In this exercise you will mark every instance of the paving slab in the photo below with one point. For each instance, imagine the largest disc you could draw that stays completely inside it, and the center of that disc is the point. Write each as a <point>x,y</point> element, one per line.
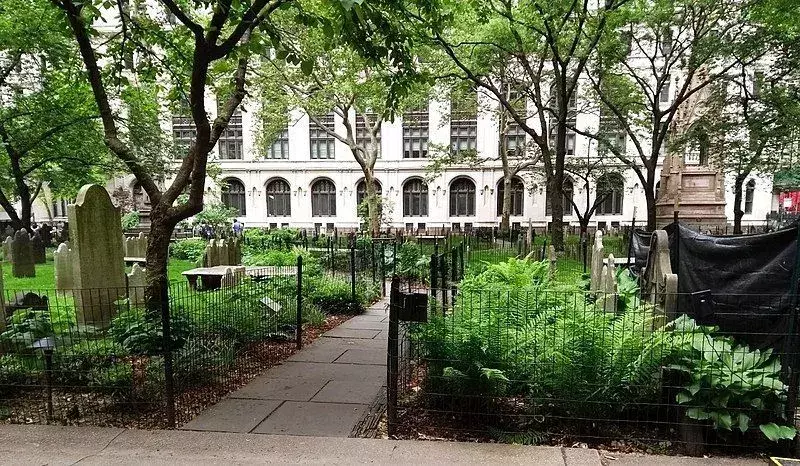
<point>365,325</point>
<point>314,419</point>
<point>340,332</point>
<point>348,391</point>
<point>581,456</point>
<point>335,371</point>
<point>359,356</point>
<point>233,415</point>
<point>302,387</point>
<point>374,317</point>
<point>322,350</point>
<point>382,336</point>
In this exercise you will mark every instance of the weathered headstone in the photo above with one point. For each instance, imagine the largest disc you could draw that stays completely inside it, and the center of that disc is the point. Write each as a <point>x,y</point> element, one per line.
<point>96,237</point>
<point>233,276</point>
<point>597,262</point>
<point>136,246</point>
<point>552,260</point>
<point>7,248</point>
<point>660,284</point>
<point>8,232</point>
<point>22,264</point>
<point>62,259</point>
<point>212,254</point>
<point>607,298</point>
<point>46,233</point>
<point>137,283</point>
<point>37,249</point>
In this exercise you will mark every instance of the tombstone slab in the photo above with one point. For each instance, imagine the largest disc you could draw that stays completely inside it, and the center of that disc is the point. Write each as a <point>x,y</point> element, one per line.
<point>597,262</point>
<point>37,249</point>
<point>7,247</point>
<point>96,238</point>
<point>22,264</point>
<point>63,261</point>
<point>137,283</point>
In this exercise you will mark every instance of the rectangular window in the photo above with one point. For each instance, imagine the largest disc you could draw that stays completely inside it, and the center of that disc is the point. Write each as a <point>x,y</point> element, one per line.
<point>363,135</point>
<point>231,140</point>
<point>415,135</point>
<point>322,143</point>
<point>664,94</point>
<point>570,143</point>
<point>463,133</point>
<point>611,132</point>
<point>183,134</point>
<point>279,149</point>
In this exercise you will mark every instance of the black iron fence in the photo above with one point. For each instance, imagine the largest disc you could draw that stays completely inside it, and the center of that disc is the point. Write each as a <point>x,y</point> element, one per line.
<point>103,357</point>
<point>539,366</point>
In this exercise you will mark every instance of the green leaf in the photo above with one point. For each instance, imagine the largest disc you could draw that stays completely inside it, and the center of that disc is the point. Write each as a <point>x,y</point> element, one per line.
<point>744,422</point>
<point>698,414</point>
<point>683,397</point>
<point>307,66</point>
<point>775,432</point>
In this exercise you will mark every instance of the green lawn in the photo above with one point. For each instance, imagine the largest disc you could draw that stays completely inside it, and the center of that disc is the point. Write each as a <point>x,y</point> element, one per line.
<point>45,278</point>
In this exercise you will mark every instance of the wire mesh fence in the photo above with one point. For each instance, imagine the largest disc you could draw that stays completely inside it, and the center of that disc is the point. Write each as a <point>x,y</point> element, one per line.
<point>113,357</point>
<point>557,367</point>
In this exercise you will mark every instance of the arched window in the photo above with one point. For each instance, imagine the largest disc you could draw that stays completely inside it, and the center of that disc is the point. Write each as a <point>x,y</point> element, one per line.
<point>749,192</point>
<point>567,190</point>
<point>278,198</point>
<point>462,198</point>
<point>517,196</point>
<point>323,198</point>
<point>233,195</point>
<point>415,198</point>
<point>610,193</point>
<point>361,191</point>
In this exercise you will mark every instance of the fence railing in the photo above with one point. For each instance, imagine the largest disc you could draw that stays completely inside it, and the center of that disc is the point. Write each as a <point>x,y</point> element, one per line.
<point>540,366</point>
<point>104,357</point>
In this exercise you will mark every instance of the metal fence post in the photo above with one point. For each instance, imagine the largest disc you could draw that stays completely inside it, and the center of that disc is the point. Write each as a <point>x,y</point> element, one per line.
<point>373,262</point>
<point>383,269</point>
<point>392,356</point>
<point>299,324</point>
<point>443,274</point>
<point>353,271</point>
<point>169,375</point>
<point>434,278</point>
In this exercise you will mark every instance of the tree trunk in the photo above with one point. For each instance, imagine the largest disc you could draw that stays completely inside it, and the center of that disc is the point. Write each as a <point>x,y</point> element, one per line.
<point>557,209</point>
<point>505,222</point>
<point>738,213</point>
<point>372,203</point>
<point>650,199</point>
<point>157,256</point>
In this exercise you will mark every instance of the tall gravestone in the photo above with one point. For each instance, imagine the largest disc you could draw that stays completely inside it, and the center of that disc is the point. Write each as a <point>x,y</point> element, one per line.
<point>21,255</point>
<point>7,248</point>
<point>99,267</point>
<point>63,262</point>
<point>598,253</point>
<point>8,232</point>
<point>46,233</point>
<point>37,249</point>
<point>137,282</point>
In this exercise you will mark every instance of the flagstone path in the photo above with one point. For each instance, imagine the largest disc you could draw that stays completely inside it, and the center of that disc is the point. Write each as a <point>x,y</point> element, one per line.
<point>322,390</point>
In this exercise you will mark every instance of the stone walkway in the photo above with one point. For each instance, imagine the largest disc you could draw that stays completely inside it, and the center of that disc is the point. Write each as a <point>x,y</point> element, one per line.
<point>322,390</point>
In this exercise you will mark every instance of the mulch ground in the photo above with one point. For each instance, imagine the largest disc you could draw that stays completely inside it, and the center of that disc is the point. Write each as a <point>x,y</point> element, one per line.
<point>84,406</point>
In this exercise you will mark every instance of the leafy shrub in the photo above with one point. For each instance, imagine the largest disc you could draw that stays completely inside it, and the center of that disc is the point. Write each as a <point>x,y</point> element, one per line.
<point>115,379</point>
<point>199,360</point>
<point>257,240</point>
<point>140,332</point>
<point>188,249</point>
<point>18,370</point>
<point>76,362</point>
<point>334,296</point>
<point>130,220</point>
<point>25,327</point>
<point>411,263</point>
<point>729,385</point>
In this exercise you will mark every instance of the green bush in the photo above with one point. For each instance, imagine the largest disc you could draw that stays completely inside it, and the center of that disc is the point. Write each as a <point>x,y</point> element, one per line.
<point>334,296</point>
<point>200,360</point>
<point>130,220</point>
<point>189,249</point>
<point>509,334</point>
<point>141,333</point>
<point>258,240</point>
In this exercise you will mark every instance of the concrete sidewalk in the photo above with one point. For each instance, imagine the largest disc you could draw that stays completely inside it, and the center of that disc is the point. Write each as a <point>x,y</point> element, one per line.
<point>36,445</point>
<point>322,390</point>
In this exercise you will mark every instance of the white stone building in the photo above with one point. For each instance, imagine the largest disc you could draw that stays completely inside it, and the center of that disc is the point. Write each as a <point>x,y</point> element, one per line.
<point>307,179</point>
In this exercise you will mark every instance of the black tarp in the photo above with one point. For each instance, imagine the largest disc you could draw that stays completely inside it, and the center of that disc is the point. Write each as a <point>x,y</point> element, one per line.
<point>749,280</point>
<point>640,247</point>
